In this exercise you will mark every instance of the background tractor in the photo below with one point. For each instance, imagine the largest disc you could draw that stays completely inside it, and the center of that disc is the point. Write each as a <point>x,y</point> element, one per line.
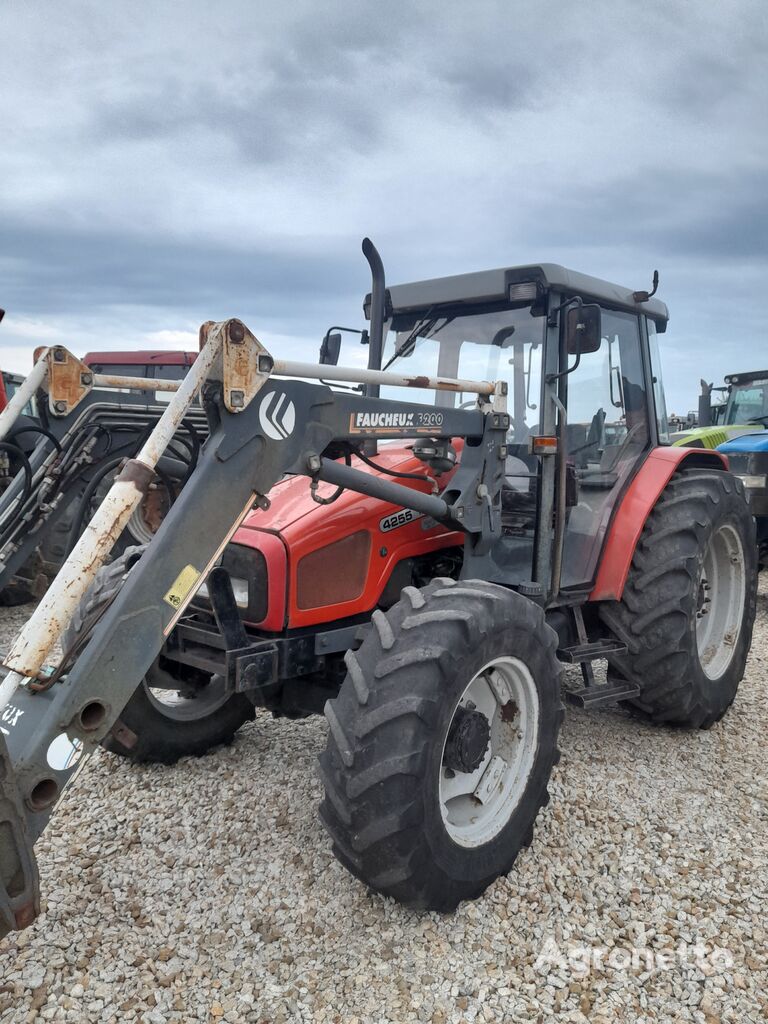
<point>742,408</point>
<point>748,458</point>
<point>418,569</point>
<point>56,463</point>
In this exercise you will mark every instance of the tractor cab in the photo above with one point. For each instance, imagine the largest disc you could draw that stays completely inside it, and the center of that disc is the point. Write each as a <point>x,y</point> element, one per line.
<point>747,401</point>
<point>580,360</point>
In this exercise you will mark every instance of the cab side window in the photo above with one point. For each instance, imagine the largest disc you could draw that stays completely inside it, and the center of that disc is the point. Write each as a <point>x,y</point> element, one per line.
<point>608,434</point>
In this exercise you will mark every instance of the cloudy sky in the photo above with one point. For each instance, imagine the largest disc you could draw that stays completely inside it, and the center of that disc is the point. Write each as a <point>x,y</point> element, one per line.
<point>164,163</point>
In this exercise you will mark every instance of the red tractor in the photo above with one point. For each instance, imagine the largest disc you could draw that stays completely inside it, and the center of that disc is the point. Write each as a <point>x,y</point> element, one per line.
<point>417,571</point>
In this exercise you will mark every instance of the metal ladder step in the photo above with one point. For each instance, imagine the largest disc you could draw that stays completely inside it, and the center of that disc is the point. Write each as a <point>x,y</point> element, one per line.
<point>580,653</point>
<point>596,696</point>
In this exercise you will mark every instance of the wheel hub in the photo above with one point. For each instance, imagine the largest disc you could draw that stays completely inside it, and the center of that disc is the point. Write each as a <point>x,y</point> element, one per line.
<point>489,751</point>
<point>467,740</point>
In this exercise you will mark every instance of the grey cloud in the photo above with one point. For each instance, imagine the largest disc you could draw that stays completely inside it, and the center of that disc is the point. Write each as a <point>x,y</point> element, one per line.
<point>693,215</point>
<point>93,271</point>
<point>196,160</point>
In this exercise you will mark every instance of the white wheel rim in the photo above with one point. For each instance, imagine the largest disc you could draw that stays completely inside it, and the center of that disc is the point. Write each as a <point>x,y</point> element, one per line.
<point>173,703</point>
<point>476,805</point>
<point>720,608</point>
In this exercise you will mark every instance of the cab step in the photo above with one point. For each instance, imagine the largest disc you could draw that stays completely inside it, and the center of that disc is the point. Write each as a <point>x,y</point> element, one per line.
<point>597,696</point>
<point>580,653</point>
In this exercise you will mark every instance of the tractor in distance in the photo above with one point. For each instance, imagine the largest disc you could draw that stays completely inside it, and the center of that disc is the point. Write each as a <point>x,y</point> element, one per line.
<point>419,570</point>
<point>742,408</point>
<point>55,466</point>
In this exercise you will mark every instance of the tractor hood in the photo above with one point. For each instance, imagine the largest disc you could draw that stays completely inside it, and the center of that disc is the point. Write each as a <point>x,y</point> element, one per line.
<point>323,563</point>
<point>291,500</point>
<point>755,442</point>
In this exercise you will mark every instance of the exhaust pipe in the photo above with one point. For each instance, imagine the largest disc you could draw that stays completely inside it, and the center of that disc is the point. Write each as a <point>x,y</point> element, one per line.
<point>378,302</point>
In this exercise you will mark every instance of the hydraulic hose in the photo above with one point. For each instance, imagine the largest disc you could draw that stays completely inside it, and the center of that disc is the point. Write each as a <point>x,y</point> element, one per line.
<point>13,449</point>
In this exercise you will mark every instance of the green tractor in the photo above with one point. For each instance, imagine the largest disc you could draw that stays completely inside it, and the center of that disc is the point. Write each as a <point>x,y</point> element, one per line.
<point>743,408</point>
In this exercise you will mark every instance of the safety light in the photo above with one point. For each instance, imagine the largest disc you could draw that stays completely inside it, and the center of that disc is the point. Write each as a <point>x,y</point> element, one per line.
<point>544,444</point>
<point>524,292</point>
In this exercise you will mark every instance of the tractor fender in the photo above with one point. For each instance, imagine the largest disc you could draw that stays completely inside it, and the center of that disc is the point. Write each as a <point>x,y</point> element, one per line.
<point>634,508</point>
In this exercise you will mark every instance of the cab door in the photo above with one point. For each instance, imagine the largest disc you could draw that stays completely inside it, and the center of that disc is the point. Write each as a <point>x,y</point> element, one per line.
<point>608,435</point>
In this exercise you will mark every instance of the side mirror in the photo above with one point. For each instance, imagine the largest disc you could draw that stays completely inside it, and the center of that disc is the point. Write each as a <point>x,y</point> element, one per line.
<point>330,348</point>
<point>583,330</point>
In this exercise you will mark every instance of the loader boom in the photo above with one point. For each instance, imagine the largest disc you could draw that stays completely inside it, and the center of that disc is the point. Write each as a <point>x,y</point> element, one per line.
<point>261,429</point>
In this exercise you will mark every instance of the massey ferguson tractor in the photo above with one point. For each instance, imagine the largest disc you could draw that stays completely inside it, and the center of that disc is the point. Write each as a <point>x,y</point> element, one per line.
<point>414,549</point>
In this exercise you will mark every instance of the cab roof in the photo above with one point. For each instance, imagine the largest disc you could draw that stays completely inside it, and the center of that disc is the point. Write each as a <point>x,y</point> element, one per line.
<point>494,286</point>
<point>747,377</point>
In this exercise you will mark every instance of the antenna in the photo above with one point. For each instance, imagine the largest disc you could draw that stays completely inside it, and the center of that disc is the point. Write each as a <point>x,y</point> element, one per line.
<point>644,296</point>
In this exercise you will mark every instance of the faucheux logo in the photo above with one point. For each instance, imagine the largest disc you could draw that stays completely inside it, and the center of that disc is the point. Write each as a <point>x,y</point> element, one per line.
<point>378,420</point>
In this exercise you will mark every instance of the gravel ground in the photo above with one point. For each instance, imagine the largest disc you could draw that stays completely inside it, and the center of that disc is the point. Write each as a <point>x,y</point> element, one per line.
<point>207,891</point>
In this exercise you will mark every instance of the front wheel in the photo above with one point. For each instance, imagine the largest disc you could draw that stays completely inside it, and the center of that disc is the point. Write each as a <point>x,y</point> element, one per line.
<point>441,742</point>
<point>175,711</point>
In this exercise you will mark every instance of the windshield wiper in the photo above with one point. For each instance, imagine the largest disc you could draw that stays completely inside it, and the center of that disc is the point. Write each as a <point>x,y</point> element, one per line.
<point>424,329</point>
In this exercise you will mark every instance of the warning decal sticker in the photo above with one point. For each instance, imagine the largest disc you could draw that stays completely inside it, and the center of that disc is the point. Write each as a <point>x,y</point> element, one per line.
<point>181,586</point>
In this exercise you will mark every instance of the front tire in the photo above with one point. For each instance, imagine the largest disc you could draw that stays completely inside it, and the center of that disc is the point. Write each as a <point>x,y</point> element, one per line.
<point>167,716</point>
<point>688,607</point>
<point>441,742</point>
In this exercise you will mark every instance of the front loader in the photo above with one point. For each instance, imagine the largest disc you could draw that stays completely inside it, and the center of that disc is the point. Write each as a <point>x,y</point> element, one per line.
<point>421,571</point>
<point>59,463</point>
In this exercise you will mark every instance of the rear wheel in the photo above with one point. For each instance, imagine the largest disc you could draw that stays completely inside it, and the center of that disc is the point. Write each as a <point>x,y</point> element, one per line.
<point>173,712</point>
<point>689,602</point>
<point>441,742</point>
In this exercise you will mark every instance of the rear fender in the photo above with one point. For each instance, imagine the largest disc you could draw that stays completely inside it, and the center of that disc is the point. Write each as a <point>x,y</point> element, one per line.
<point>634,508</point>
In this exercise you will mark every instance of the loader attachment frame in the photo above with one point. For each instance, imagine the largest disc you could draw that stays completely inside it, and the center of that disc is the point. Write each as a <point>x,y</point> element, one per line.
<point>83,427</point>
<point>260,429</point>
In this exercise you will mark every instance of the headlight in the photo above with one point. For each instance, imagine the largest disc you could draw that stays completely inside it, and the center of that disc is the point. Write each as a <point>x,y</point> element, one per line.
<point>753,483</point>
<point>239,589</point>
<point>247,569</point>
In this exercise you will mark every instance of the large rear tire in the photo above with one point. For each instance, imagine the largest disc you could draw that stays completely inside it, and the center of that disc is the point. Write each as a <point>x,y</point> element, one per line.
<point>441,742</point>
<point>688,607</point>
<point>168,716</point>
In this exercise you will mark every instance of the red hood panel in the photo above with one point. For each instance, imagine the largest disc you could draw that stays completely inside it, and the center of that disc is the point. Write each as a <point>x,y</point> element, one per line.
<point>291,499</point>
<point>305,527</point>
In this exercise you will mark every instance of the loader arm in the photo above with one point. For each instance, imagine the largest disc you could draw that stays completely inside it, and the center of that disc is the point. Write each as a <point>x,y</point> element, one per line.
<point>261,429</point>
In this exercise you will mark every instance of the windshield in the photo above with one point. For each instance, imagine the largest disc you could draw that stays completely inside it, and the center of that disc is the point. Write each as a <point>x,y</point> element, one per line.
<point>490,344</point>
<point>748,403</point>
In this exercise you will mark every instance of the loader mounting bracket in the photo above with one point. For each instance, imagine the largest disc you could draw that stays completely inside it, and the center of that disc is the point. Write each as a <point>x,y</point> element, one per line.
<point>19,880</point>
<point>69,380</point>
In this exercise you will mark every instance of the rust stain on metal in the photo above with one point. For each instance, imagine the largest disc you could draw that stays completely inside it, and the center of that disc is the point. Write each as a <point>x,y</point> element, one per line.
<point>154,508</point>
<point>124,735</point>
<point>236,330</point>
<point>509,711</point>
<point>69,380</point>
<point>136,473</point>
<point>242,376</point>
<point>204,332</point>
<point>429,382</point>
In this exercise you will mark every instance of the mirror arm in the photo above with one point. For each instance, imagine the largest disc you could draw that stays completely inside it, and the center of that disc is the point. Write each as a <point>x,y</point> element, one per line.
<point>552,377</point>
<point>552,318</point>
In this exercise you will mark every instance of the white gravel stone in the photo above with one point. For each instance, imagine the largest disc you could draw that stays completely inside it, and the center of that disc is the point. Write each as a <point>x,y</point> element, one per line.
<point>207,891</point>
